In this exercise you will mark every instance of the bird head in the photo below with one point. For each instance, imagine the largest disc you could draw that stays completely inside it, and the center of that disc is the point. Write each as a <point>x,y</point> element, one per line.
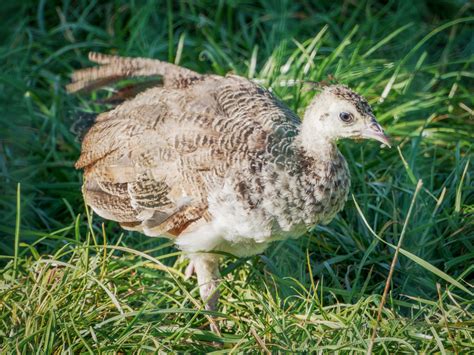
<point>336,113</point>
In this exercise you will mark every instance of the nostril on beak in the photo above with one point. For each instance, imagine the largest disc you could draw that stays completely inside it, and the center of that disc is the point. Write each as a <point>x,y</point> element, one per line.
<point>375,131</point>
<point>376,127</point>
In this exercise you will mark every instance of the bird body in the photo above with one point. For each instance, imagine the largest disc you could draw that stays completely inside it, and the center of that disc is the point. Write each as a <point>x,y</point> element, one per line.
<point>207,157</point>
<point>217,163</point>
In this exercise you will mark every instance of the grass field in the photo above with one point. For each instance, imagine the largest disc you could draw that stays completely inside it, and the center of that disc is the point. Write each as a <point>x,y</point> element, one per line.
<point>72,282</point>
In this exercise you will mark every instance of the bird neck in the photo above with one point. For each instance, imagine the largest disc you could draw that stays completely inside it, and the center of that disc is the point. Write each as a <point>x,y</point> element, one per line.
<point>315,144</point>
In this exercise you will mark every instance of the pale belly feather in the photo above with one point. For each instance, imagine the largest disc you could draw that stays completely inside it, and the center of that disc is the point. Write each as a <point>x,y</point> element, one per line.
<point>250,211</point>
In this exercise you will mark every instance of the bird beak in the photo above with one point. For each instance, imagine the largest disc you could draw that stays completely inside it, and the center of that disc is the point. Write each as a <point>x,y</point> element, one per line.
<point>375,131</point>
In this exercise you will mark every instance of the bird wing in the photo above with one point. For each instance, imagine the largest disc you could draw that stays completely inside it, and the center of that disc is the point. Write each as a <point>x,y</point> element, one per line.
<point>150,162</point>
<point>251,111</point>
<point>146,161</point>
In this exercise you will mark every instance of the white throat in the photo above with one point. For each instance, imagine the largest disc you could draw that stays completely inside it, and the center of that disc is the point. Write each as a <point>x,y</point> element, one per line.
<point>317,137</point>
<point>315,140</point>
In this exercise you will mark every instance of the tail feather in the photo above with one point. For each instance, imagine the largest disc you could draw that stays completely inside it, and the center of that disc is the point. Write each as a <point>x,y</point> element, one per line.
<point>101,58</point>
<point>115,68</point>
<point>129,92</point>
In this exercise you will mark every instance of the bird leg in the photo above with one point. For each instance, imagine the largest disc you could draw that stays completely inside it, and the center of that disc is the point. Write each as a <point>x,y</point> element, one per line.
<point>206,267</point>
<point>189,270</point>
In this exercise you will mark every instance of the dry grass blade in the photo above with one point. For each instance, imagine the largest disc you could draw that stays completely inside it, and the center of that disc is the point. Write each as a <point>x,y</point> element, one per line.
<point>17,228</point>
<point>259,340</point>
<point>392,267</point>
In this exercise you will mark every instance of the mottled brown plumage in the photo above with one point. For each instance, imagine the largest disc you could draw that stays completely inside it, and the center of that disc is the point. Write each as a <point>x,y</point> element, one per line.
<point>219,163</point>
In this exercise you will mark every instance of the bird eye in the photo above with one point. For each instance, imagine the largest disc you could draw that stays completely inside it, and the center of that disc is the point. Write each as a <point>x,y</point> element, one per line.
<point>346,117</point>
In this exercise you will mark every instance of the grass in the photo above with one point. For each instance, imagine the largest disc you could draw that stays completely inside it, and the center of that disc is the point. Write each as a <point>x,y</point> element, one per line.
<point>71,282</point>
